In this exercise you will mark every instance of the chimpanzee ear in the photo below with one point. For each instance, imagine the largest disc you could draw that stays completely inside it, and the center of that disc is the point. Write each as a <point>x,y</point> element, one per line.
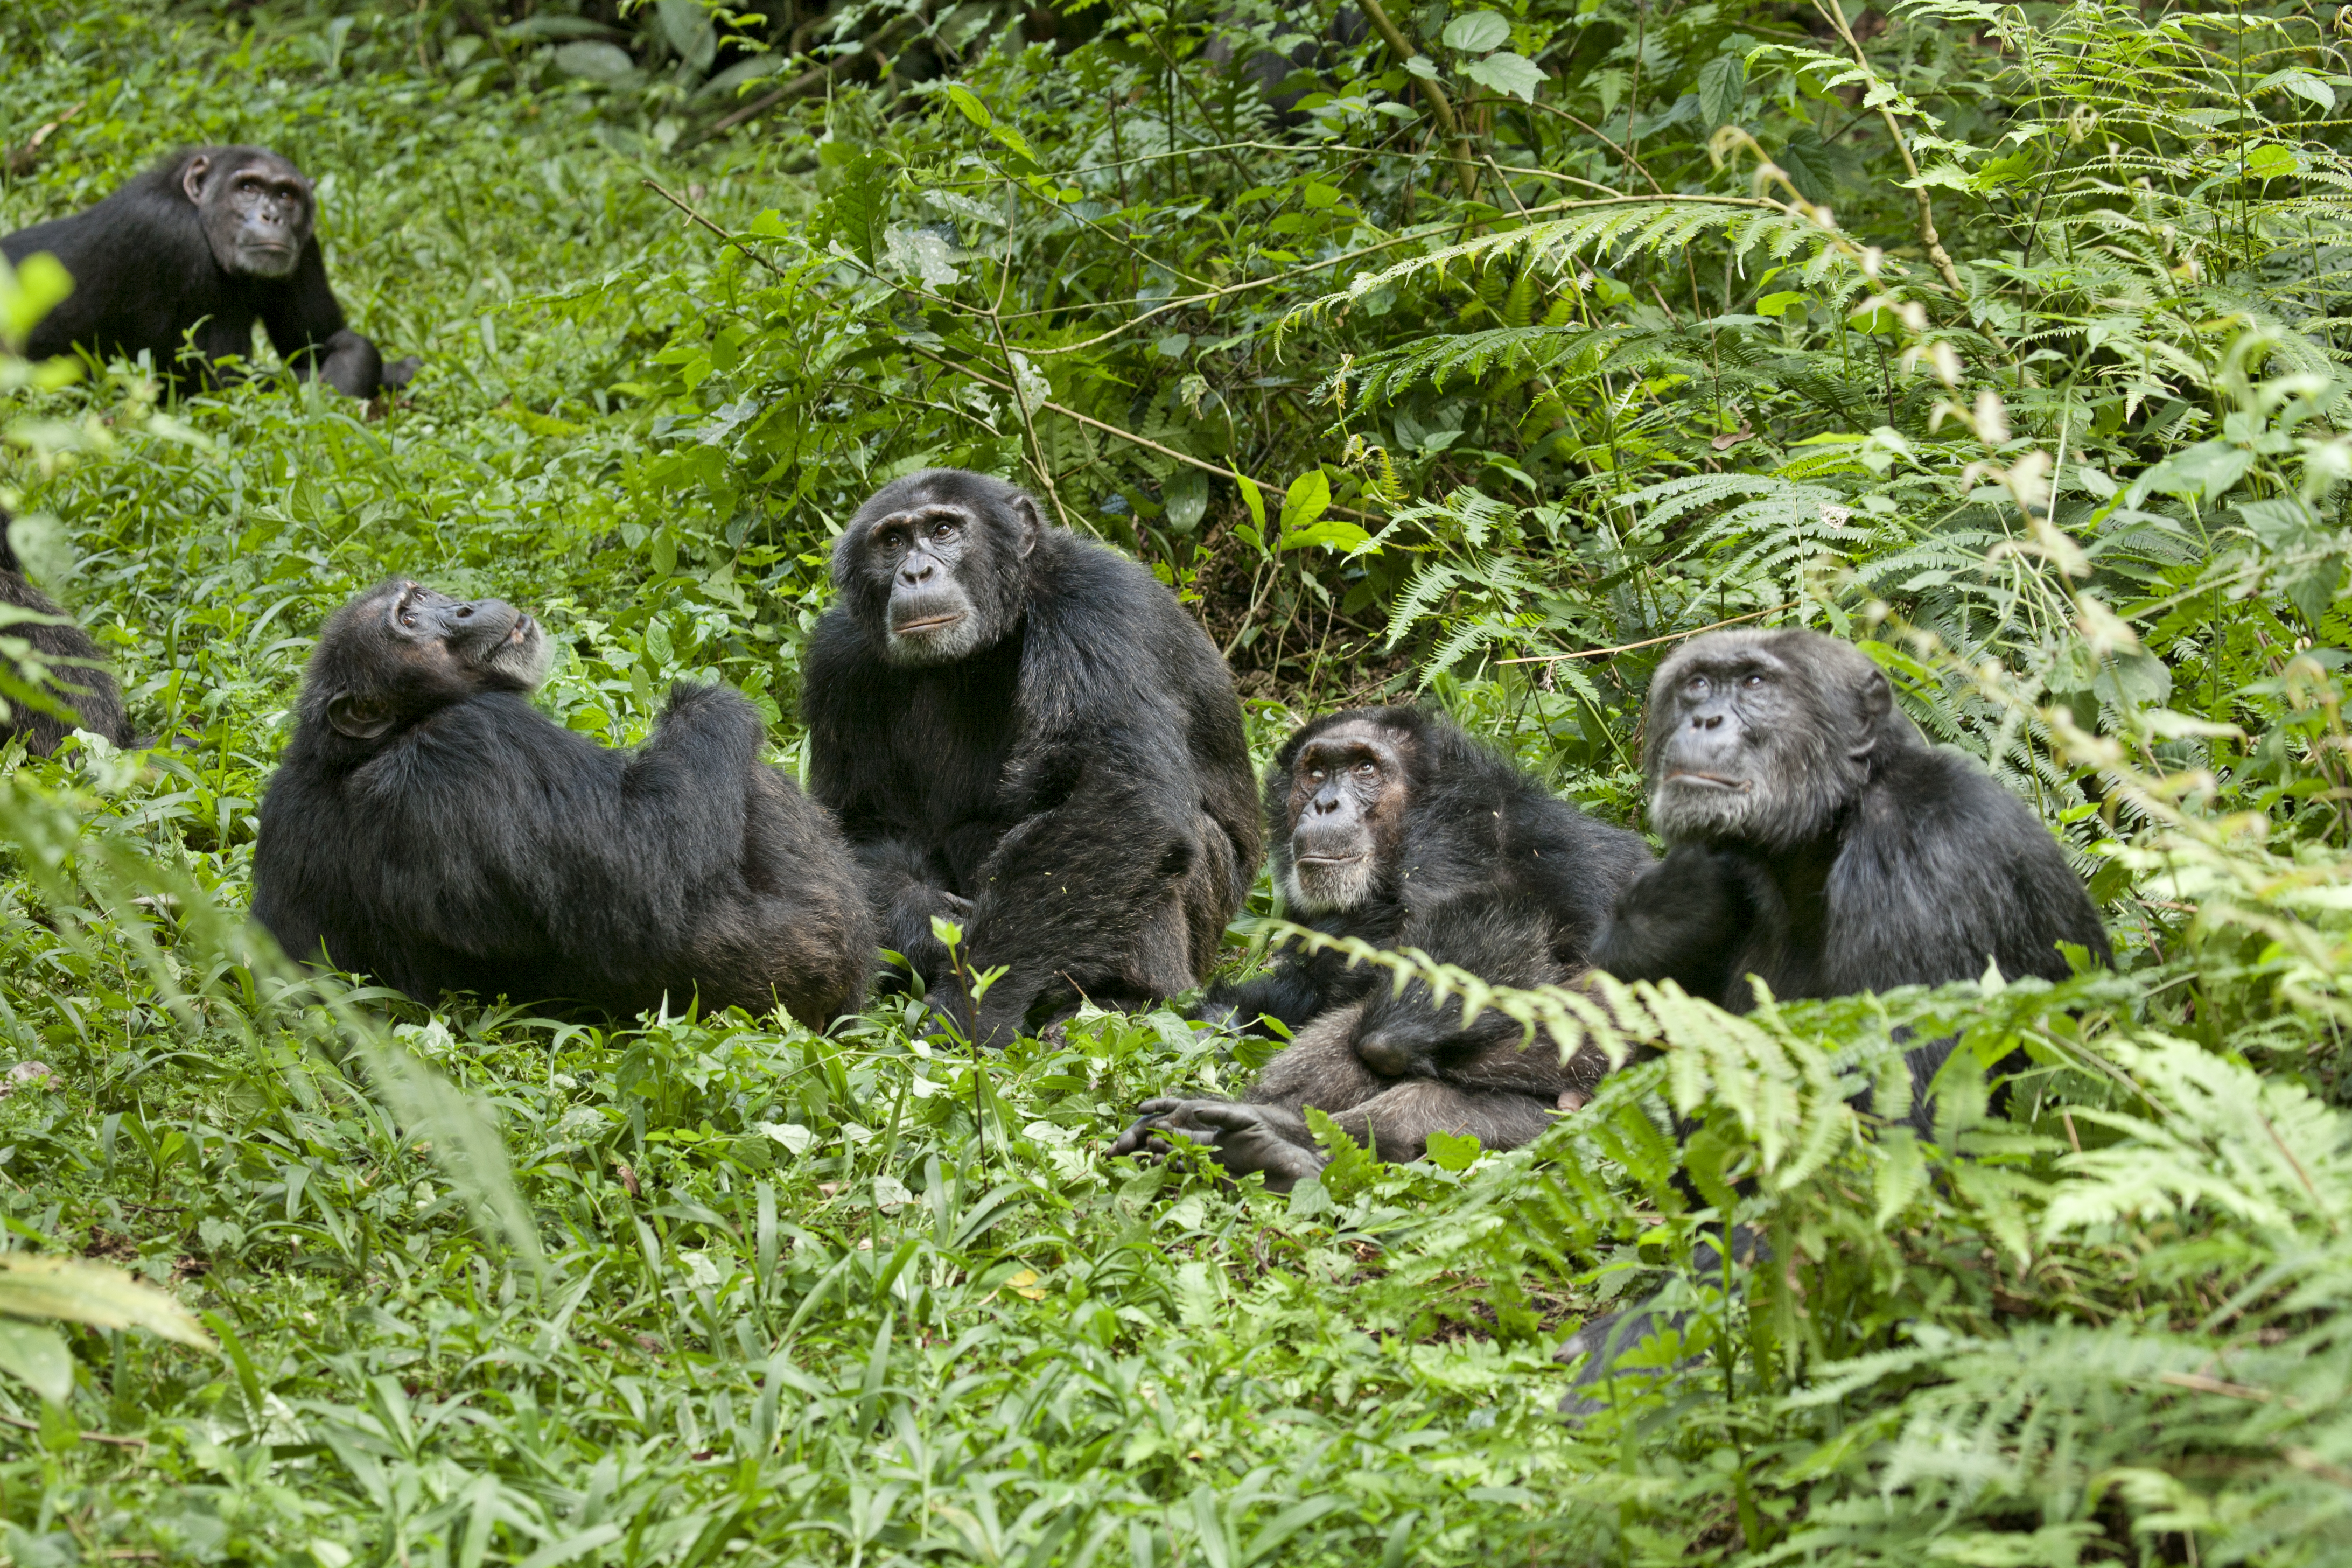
<point>1026,524</point>
<point>360,720</point>
<point>192,178</point>
<point>1873,702</point>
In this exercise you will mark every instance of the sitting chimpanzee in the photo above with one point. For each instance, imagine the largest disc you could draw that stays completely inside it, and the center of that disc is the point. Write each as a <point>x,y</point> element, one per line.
<point>1392,826</point>
<point>207,240</point>
<point>1819,843</point>
<point>73,678</point>
<point>1022,733</point>
<point>428,826</point>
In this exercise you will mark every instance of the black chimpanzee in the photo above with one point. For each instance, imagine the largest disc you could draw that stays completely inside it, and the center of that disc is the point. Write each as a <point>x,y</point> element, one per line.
<point>1392,826</point>
<point>1818,842</point>
<point>430,828</point>
<point>70,674</point>
<point>207,240</point>
<point>1024,733</point>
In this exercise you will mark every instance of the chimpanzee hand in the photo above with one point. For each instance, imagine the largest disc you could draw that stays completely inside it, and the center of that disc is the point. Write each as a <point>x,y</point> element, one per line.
<point>1686,919</point>
<point>1243,1138</point>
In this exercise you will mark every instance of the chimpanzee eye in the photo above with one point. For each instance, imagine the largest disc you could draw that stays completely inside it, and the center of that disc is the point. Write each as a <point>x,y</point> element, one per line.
<point>1752,682</point>
<point>944,532</point>
<point>1315,775</point>
<point>894,543</point>
<point>1368,770</point>
<point>408,620</point>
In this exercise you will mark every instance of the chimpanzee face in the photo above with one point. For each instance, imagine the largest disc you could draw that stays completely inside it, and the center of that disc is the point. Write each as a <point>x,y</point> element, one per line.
<point>401,651</point>
<point>1347,800</point>
<point>932,565</point>
<point>1761,737</point>
<point>255,207</point>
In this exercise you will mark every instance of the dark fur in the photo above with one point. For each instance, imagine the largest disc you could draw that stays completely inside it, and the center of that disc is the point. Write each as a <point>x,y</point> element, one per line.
<point>144,274</point>
<point>1484,869</point>
<point>1847,855</point>
<point>78,680</point>
<point>1860,858</point>
<point>475,845</point>
<point>1073,789</point>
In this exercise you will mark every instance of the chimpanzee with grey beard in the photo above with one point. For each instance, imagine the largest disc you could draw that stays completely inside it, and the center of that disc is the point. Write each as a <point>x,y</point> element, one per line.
<point>431,829</point>
<point>209,240</point>
<point>1022,733</point>
<point>1392,826</point>
<point>1817,842</point>
<point>74,691</point>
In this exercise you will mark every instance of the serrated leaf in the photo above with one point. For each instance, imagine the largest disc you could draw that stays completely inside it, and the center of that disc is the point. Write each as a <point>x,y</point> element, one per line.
<point>1448,1153</point>
<point>1722,89</point>
<point>1476,32</point>
<point>1514,76</point>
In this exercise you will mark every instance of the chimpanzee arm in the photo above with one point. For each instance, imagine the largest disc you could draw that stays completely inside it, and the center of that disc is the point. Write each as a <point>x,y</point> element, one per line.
<point>1687,918</point>
<point>306,326</point>
<point>1073,891</point>
<point>1295,989</point>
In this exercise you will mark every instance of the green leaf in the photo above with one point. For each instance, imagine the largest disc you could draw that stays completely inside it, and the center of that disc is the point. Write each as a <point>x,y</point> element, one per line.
<point>1254,531</point>
<point>973,110</point>
<point>91,1293</point>
<point>1333,532</point>
<point>38,1356</point>
<point>1475,31</point>
<point>1309,498</point>
<point>1514,76</point>
<point>2271,161</point>
<point>598,62</point>
<point>1186,497</point>
<point>1448,1153</point>
<point>28,291</point>
<point>1722,89</point>
<point>1778,304</point>
<point>2301,83</point>
<point>1805,159</point>
<point>687,28</point>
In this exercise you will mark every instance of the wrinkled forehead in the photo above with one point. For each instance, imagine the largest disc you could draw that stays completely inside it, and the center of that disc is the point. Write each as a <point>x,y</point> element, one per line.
<point>1721,656</point>
<point>1351,741</point>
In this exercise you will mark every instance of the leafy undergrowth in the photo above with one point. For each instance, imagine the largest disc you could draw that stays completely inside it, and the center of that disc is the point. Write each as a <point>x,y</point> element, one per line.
<point>492,1288</point>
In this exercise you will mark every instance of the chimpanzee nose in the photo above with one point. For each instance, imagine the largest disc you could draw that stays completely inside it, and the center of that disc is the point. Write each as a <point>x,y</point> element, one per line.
<point>915,571</point>
<point>1324,804</point>
<point>1706,721</point>
<point>463,611</point>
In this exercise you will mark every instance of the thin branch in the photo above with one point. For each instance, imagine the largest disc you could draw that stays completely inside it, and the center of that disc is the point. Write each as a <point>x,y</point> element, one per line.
<point>1651,642</point>
<point>1465,171</point>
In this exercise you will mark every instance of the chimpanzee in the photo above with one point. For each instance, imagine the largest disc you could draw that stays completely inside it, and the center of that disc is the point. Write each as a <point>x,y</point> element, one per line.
<point>1818,842</point>
<point>1392,826</point>
<point>207,241</point>
<point>1023,732</point>
<point>428,826</point>
<point>72,676</point>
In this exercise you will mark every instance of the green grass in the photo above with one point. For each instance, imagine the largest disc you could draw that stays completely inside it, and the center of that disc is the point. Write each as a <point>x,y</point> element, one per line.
<point>782,1298</point>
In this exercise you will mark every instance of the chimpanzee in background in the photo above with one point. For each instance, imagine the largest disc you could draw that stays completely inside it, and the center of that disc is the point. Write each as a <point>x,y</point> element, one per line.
<point>1023,732</point>
<point>76,678</point>
<point>1392,826</point>
<point>431,829</point>
<point>210,240</point>
<point>1817,841</point>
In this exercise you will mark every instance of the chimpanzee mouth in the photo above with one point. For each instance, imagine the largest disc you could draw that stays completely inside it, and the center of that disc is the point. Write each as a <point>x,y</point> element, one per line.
<point>923,625</point>
<point>1713,781</point>
<point>1327,859</point>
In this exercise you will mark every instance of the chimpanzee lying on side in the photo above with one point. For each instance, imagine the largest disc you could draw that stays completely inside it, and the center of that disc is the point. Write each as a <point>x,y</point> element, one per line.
<point>428,826</point>
<point>1818,842</point>
<point>1392,826</point>
<point>210,240</point>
